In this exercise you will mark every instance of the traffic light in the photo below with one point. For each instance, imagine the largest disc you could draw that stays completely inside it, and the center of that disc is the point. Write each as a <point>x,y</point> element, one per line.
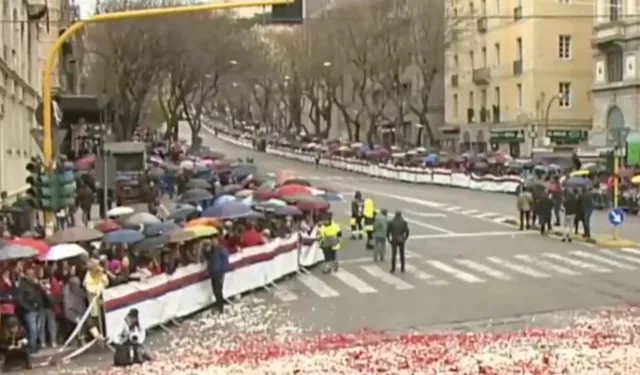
<point>37,180</point>
<point>63,186</point>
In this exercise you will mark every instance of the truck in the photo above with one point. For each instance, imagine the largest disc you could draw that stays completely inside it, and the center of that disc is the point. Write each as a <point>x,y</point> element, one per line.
<point>121,167</point>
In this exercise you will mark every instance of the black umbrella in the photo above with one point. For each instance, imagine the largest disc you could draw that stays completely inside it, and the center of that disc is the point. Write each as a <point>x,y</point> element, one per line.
<point>195,195</point>
<point>198,183</point>
<point>241,171</point>
<point>231,189</point>
<point>150,244</point>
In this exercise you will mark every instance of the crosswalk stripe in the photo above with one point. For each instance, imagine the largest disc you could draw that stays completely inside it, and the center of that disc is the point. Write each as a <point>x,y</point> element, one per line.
<point>452,208</point>
<point>484,269</point>
<point>423,276</point>
<point>469,212</point>
<point>546,265</point>
<point>577,263</point>
<point>602,259</point>
<point>354,281</point>
<point>319,287</point>
<point>616,254</point>
<point>464,276</point>
<point>284,294</point>
<point>487,215</point>
<point>501,219</point>
<point>387,278</point>
<point>631,250</point>
<point>518,268</point>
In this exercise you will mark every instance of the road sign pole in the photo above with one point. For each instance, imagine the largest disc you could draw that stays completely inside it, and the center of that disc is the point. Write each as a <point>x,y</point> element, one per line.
<point>616,166</point>
<point>52,58</point>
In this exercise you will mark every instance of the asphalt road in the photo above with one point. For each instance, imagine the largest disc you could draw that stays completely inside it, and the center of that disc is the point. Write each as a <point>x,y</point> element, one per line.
<point>465,264</point>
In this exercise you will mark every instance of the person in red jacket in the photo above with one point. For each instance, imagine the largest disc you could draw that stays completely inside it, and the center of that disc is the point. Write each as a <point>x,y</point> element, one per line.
<point>52,307</point>
<point>251,237</point>
<point>7,288</point>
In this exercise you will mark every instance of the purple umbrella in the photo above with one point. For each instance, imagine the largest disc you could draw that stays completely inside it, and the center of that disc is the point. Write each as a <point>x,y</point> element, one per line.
<point>229,210</point>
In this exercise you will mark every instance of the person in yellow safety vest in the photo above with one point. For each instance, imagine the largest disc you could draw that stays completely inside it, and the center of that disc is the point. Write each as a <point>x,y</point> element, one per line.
<point>356,216</point>
<point>329,237</point>
<point>369,215</point>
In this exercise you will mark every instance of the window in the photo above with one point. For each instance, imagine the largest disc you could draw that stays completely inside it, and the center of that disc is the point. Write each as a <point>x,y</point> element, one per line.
<point>565,94</point>
<point>564,1</point>
<point>483,98</point>
<point>498,7</point>
<point>472,60</point>
<point>455,105</point>
<point>496,48</point>
<point>564,47</point>
<point>483,7</point>
<point>471,8</point>
<point>615,9</point>
<point>471,100</point>
<point>455,62</point>
<point>615,66</point>
<point>496,94</point>
<point>519,95</point>
<point>518,48</point>
<point>484,57</point>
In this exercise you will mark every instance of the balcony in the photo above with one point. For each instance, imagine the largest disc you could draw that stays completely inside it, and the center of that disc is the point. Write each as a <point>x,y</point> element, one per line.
<point>517,13</point>
<point>606,34</point>
<point>517,67</point>
<point>482,25</point>
<point>481,76</point>
<point>454,80</point>
<point>496,113</point>
<point>470,116</point>
<point>484,115</point>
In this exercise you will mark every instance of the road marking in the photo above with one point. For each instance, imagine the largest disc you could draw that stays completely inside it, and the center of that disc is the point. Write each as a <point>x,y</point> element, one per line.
<point>469,212</point>
<point>546,265</point>
<point>464,235</point>
<point>387,278</point>
<point>424,214</point>
<point>500,219</point>
<point>370,259</point>
<point>428,226</point>
<point>319,287</point>
<point>602,259</point>
<point>484,269</point>
<point>518,268</point>
<point>354,282</point>
<point>283,294</point>
<point>577,263</point>
<point>487,215</point>
<point>615,254</point>
<point>452,208</point>
<point>459,274</point>
<point>423,276</point>
<point>631,250</point>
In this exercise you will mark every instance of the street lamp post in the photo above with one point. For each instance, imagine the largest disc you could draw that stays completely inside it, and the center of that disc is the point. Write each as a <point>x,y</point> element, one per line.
<point>620,137</point>
<point>547,110</point>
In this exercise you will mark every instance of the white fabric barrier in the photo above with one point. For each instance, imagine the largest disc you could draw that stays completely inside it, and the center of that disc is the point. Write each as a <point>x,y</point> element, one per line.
<point>437,176</point>
<point>163,298</point>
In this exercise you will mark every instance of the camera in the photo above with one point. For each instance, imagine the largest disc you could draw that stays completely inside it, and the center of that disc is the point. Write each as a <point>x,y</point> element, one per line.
<point>134,338</point>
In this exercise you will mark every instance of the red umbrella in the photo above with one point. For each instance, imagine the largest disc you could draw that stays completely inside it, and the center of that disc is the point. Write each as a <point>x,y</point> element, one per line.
<point>312,205</point>
<point>289,190</point>
<point>107,226</point>
<point>263,195</point>
<point>40,246</point>
<point>326,188</point>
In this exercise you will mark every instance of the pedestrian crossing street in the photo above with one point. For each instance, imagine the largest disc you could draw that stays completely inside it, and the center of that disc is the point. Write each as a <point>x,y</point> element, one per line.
<point>371,278</point>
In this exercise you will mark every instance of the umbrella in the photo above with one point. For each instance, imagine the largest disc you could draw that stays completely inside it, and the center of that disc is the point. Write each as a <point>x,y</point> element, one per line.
<point>154,230</point>
<point>142,218</point>
<point>198,183</point>
<point>122,236</point>
<point>180,206</point>
<point>182,235</point>
<point>231,189</point>
<point>247,200</point>
<point>75,234</point>
<point>287,211</point>
<point>187,164</point>
<point>39,246</point>
<point>182,213</point>
<point>580,173</point>
<point>14,252</point>
<point>206,221</point>
<point>150,244</point>
<point>107,226</point>
<point>300,197</point>
<point>155,172</point>
<point>577,181</point>
<point>431,158</point>
<point>330,196</point>
<point>274,203</point>
<point>261,194</point>
<point>635,180</point>
<point>224,199</point>
<point>288,190</point>
<point>195,195</point>
<point>63,251</point>
<point>244,193</point>
<point>120,211</point>
<point>268,185</point>
<point>243,170</point>
<point>230,210</point>
<point>201,231</point>
<point>311,205</point>
<point>296,181</point>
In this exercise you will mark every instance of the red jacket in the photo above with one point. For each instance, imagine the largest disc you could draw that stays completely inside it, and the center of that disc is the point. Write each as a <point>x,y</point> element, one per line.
<point>7,303</point>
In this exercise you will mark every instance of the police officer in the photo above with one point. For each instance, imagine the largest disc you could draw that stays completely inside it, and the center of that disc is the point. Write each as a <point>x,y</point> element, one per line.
<point>368,214</point>
<point>329,238</point>
<point>357,206</point>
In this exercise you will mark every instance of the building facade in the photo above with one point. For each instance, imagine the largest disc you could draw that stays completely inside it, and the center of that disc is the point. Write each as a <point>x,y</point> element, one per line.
<point>27,32</point>
<point>616,76</point>
<point>515,76</point>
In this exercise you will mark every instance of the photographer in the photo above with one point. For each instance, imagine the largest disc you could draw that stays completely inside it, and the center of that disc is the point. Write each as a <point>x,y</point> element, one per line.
<point>129,342</point>
<point>14,343</point>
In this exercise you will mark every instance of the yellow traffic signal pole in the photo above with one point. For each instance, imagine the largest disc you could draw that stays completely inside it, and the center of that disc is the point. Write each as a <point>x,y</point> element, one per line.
<point>47,142</point>
<point>616,167</point>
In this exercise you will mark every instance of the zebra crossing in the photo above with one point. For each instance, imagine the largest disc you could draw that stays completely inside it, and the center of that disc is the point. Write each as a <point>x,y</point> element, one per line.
<point>424,273</point>
<point>478,214</point>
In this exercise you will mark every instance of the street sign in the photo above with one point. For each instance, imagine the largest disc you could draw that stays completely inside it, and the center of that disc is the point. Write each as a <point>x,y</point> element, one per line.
<point>58,137</point>
<point>616,217</point>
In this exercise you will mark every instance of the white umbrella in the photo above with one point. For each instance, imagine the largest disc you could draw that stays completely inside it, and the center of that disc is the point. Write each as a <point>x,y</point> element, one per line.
<point>187,164</point>
<point>120,211</point>
<point>63,251</point>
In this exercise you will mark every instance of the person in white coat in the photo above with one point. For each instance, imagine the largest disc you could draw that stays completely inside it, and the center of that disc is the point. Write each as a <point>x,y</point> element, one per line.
<point>130,342</point>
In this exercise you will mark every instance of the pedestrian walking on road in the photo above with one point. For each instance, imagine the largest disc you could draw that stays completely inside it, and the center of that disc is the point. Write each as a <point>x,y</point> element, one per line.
<point>217,266</point>
<point>329,238</point>
<point>545,209</point>
<point>356,221</point>
<point>524,205</point>
<point>397,234</point>
<point>570,211</point>
<point>380,227</point>
<point>368,214</point>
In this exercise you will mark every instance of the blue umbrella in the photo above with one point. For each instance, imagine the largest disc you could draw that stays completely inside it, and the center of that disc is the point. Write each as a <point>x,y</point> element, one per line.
<point>287,211</point>
<point>577,181</point>
<point>159,229</point>
<point>230,210</point>
<point>431,158</point>
<point>122,236</point>
<point>224,199</point>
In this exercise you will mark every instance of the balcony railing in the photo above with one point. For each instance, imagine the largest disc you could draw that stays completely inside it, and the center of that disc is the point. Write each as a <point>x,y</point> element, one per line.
<point>454,80</point>
<point>482,24</point>
<point>517,13</point>
<point>481,76</point>
<point>517,67</point>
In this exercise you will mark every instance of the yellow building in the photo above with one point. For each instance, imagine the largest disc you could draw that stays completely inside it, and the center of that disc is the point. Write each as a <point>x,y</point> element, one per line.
<point>519,72</point>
